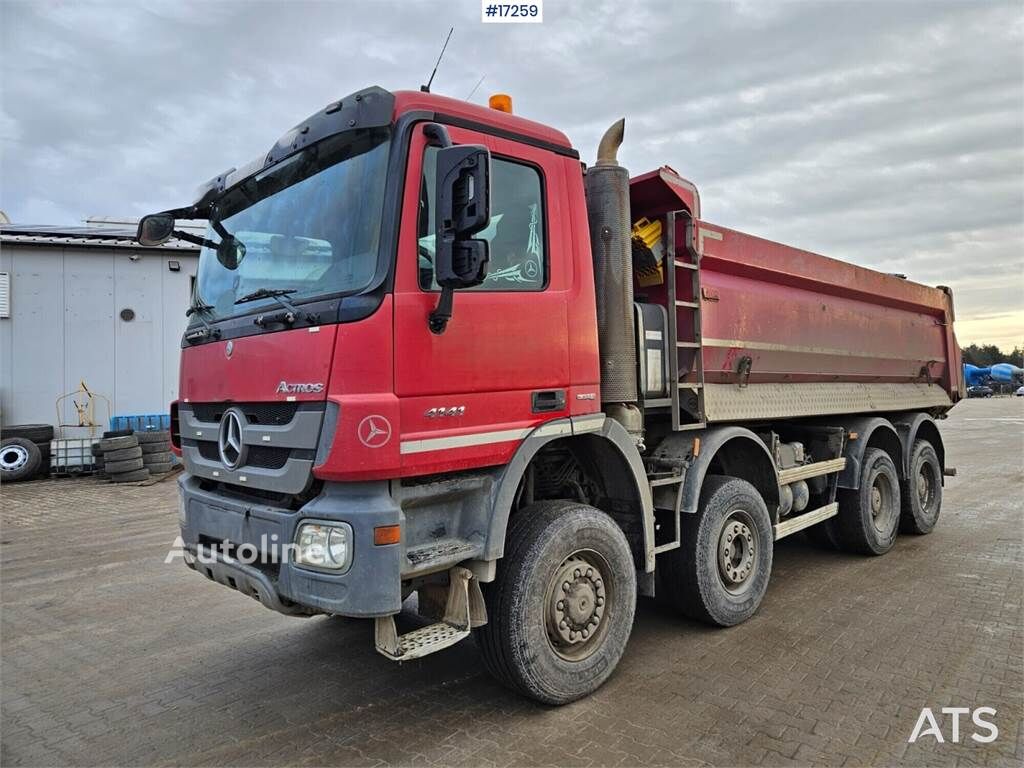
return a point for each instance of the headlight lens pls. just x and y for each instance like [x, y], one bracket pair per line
[324, 546]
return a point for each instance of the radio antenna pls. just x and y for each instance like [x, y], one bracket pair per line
[475, 87]
[426, 88]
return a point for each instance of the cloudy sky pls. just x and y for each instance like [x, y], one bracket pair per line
[890, 134]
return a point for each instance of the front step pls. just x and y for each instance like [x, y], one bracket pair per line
[464, 610]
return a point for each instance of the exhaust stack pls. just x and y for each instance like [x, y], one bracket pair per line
[606, 185]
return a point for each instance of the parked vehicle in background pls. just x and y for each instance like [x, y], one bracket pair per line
[1019, 392]
[433, 354]
[980, 391]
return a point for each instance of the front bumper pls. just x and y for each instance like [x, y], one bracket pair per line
[213, 522]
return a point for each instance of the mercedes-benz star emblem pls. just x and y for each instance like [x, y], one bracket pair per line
[229, 439]
[229, 349]
[374, 431]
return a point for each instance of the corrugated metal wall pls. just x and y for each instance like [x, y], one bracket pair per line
[65, 326]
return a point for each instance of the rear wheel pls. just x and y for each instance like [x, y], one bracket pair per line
[921, 492]
[869, 516]
[560, 609]
[720, 572]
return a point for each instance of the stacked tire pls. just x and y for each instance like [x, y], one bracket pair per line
[156, 451]
[122, 459]
[24, 451]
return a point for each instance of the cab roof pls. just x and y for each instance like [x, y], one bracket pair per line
[409, 101]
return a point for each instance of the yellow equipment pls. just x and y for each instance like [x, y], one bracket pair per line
[648, 253]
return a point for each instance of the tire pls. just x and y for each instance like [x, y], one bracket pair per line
[118, 433]
[157, 436]
[117, 467]
[523, 644]
[157, 458]
[160, 469]
[155, 448]
[118, 443]
[122, 454]
[721, 571]
[869, 517]
[130, 477]
[37, 433]
[19, 459]
[921, 492]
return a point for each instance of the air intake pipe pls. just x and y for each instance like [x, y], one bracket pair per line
[606, 185]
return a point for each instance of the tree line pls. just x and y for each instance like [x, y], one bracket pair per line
[989, 354]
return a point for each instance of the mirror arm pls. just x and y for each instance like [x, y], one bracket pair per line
[191, 238]
[442, 312]
[437, 134]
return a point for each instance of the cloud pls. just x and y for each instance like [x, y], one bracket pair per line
[887, 134]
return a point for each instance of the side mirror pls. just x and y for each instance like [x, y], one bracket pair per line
[463, 196]
[230, 252]
[155, 229]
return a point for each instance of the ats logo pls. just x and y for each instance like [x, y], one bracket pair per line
[984, 731]
[284, 388]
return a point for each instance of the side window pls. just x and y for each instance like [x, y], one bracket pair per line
[516, 232]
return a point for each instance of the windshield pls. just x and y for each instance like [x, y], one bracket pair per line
[310, 225]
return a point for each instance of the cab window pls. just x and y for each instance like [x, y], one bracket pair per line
[515, 233]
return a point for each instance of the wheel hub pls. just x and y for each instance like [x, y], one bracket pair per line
[876, 500]
[736, 552]
[576, 606]
[923, 487]
[13, 457]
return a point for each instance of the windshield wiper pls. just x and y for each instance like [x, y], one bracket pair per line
[289, 316]
[268, 293]
[197, 310]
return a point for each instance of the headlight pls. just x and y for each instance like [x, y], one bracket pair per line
[321, 545]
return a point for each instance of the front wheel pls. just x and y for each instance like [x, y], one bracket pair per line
[560, 610]
[720, 572]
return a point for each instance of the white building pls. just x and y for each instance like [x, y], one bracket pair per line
[89, 304]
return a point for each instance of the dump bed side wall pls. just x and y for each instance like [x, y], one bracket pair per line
[803, 318]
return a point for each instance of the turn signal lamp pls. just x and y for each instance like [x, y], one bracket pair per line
[501, 102]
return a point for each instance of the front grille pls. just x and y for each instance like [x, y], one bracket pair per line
[267, 457]
[257, 413]
[208, 450]
[263, 456]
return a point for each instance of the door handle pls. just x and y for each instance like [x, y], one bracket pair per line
[545, 400]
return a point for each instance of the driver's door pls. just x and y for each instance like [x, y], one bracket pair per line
[469, 395]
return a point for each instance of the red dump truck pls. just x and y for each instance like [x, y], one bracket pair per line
[431, 353]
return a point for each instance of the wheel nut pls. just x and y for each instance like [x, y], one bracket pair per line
[590, 572]
[561, 605]
[600, 600]
[563, 624]
[565, 586]
[576, 573]
[585, 634]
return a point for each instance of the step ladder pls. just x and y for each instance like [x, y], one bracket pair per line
[674, 268]
[464, 611]
[665, 478]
